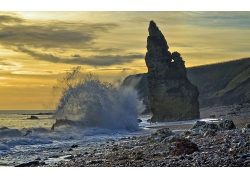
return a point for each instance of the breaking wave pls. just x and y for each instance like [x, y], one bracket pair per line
[95, 103]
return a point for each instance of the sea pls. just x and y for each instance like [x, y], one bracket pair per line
[23, 140]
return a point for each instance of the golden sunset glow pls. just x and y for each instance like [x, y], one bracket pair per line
[37, 48]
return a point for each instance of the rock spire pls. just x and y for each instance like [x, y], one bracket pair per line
[172, 97]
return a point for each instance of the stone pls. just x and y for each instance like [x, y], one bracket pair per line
[172, 138]
[28, 164]
[198, 124]
[33, 117]
[227, 125]
[171, 95]
[209, 126]
[160, 135]
[74, 146]
[184, 146]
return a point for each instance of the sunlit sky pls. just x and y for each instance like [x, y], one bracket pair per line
[38, 47]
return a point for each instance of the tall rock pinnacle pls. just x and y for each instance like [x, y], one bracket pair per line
[172, 97]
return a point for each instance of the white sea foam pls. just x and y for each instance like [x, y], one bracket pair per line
[96, 103]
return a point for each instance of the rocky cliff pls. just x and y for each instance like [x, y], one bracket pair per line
[219, 84]
[171, 95]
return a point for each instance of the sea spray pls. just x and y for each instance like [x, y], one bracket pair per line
[95, 103]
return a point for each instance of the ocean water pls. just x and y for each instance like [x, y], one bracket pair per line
[24, 140]
[16, 146]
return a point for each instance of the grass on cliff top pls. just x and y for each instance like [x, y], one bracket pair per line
[233, 74]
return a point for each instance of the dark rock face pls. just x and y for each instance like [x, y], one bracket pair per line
[171, 95]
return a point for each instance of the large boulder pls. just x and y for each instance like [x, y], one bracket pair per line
[227, 125]
[202, 128]
[171, 95]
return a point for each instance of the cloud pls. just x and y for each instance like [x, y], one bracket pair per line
[9, 65]
[50, 34]
[53, 37]
[10, 19]
[76, 55]
[103, 60]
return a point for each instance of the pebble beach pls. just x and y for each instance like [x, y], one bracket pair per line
[191, 146]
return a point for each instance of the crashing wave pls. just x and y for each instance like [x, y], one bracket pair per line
[95, 103]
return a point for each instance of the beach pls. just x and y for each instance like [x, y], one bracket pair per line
[226, 148]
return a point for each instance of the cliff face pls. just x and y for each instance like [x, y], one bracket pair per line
[171, 95]
[218, 84]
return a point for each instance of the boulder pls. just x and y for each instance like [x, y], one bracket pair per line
[171, 95]
[198, 124]
[184, 146]
[201, 127]
[227, 125]
[33, 117]
[160, 135]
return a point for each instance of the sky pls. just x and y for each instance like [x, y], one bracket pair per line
[39, 47]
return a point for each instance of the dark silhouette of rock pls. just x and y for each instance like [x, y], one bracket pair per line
[64, 122]
[33, 117]
[171, 95]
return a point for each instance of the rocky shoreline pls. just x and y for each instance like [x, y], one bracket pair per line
[223, 143]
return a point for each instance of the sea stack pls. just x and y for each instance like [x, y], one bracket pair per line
[171, 95]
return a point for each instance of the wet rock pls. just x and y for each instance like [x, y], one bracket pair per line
[33, 117]
[227, 125]
[74, 146]
[28, 164]
[139, 120]
[3, 128]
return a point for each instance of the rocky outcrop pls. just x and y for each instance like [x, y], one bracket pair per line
[171, 95]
